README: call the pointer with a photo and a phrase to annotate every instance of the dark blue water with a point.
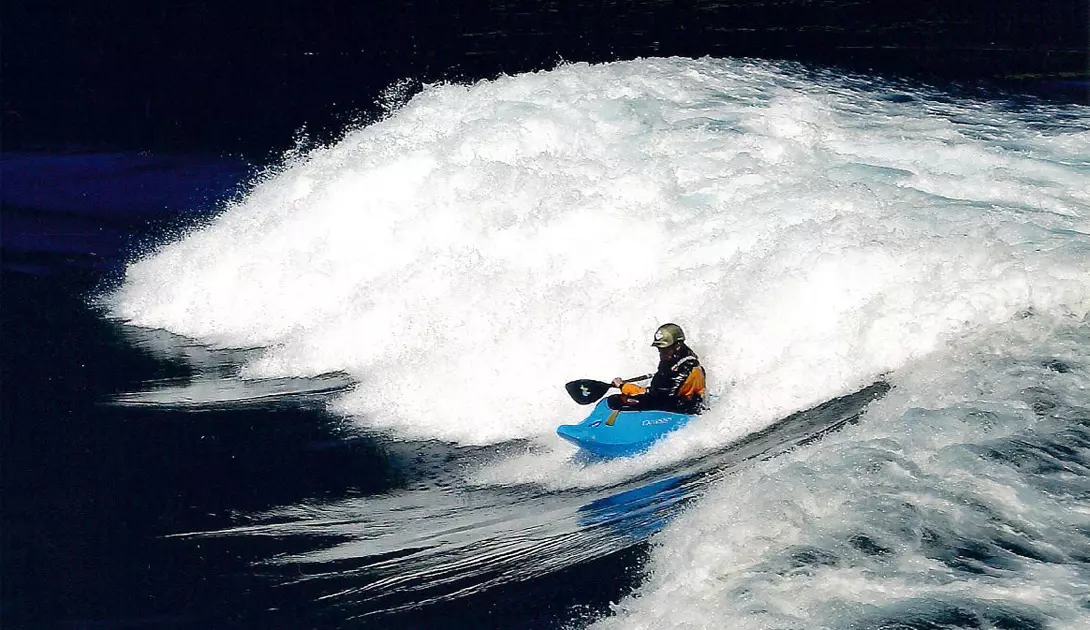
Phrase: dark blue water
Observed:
(125, 125)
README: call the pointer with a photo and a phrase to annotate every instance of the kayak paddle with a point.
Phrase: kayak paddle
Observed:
(585, 391)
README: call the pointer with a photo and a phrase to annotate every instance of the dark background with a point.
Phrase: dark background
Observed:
(244, 77)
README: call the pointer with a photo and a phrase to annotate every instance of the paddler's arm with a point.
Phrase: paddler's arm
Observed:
(628, 389)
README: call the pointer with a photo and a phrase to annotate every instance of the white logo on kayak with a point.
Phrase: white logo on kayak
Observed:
(586, 392)
(649, 423)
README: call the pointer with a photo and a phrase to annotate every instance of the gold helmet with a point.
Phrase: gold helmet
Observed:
(667, 335)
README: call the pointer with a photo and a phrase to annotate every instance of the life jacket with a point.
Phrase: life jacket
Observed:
(678, 385)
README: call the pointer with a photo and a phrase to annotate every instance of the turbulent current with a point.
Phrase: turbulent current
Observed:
(921, 260)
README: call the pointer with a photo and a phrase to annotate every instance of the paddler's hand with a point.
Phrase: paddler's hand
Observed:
(618, 382)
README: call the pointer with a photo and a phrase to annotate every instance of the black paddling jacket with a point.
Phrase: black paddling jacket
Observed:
(678, 385)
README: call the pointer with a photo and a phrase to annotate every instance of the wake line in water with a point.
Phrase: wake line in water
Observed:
(410, 550)
(212, 379)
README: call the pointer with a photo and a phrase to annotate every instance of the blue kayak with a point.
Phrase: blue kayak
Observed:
(610, 433)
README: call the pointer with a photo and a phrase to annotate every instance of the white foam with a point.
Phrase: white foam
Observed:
(958, 480)
(486, 243)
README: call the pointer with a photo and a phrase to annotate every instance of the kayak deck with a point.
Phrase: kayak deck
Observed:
(610, 433)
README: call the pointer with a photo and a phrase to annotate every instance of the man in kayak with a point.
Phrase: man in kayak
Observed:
(677, 386)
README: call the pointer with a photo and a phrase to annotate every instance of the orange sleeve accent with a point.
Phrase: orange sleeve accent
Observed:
(632, 389)
(694, 385)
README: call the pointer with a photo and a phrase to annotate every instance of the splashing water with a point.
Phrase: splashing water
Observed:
(487, 242)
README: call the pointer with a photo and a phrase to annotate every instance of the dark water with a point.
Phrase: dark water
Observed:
(93, 492)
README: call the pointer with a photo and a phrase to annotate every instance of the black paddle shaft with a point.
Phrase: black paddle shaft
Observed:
(585, 391)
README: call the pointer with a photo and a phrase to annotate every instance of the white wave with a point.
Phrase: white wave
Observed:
(486, 243)
(963, 492)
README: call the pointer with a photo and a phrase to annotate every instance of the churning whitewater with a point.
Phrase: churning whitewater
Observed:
(462, 258)
(485, 243)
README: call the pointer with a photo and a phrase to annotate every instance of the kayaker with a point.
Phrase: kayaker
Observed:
(677, 386)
